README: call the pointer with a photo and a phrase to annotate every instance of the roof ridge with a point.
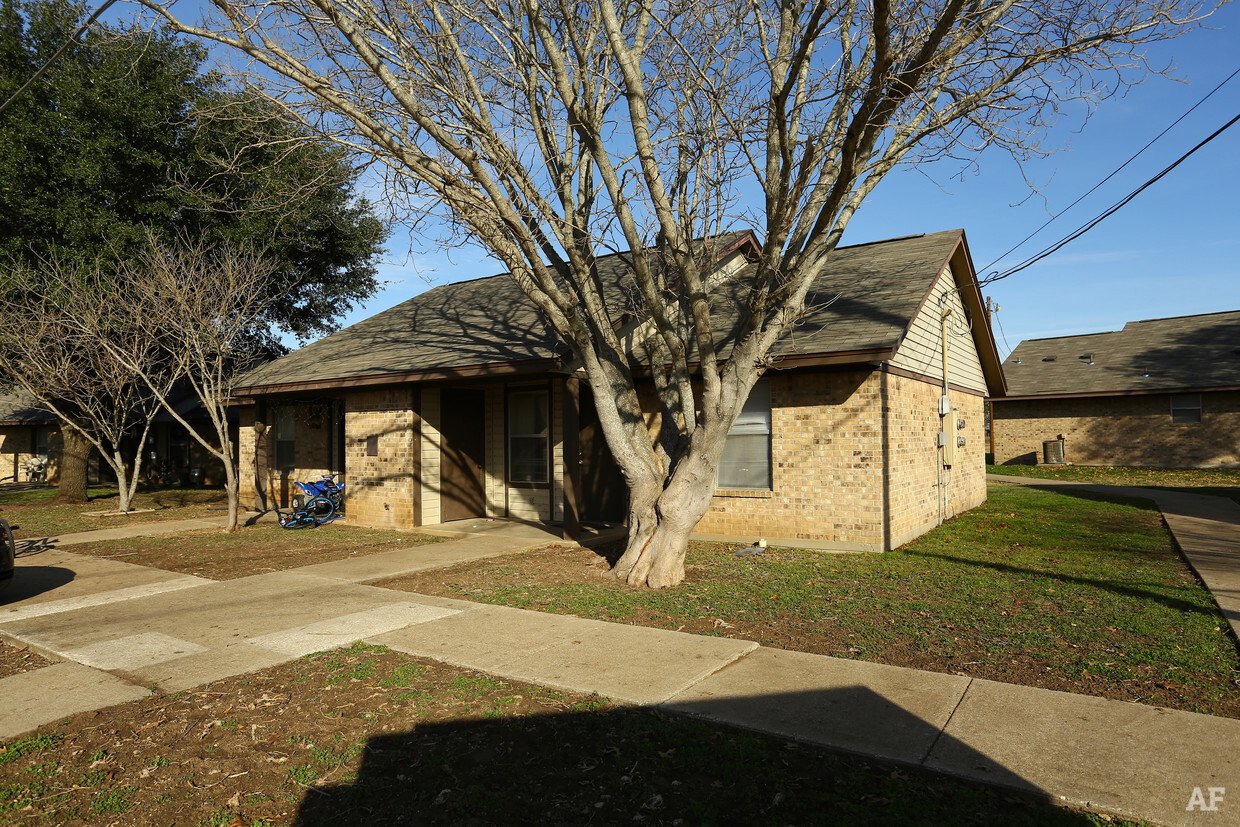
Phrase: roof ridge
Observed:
(1185, 316)
(1068, 336)
(596, 258)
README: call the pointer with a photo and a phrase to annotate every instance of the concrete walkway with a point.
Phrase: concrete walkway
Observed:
(1206, 528)
(1125, 758)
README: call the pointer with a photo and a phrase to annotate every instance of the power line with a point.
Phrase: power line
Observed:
(64, 47)
(1114, 172)
(1089, 225)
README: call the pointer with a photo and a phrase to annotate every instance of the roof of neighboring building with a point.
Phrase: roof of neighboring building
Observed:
(20, 408)
(864, 301)
(1177, 353)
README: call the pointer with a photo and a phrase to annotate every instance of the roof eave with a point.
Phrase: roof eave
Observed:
(1032, 397)
(480, 371)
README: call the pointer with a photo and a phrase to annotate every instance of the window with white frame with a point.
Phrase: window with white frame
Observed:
(746, 461)
(285, 432)
(528, 436)
(1186, 407)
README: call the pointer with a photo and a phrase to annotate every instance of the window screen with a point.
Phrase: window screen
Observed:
(1186, 407)
(746, 461)
(528, 436)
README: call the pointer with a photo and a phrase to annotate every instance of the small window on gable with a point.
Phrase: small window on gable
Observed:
(746, 460)
(372, 445)
(1186, 407)
(286, 447)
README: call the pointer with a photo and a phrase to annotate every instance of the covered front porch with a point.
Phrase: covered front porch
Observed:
(485, 453)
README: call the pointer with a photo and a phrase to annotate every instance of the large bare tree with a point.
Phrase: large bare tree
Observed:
(551, 131)
(201, 304)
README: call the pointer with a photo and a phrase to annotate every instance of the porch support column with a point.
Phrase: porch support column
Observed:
(416, 458)
(572, 457)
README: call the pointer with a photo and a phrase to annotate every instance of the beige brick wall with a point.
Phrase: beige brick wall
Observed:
(826, 446)
(1120, 430)
(313, 428)
(17, 446)
(828, 459)
(381, 488)
(917, 480)
(251, 461)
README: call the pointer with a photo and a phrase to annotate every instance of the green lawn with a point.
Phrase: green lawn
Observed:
(1215, 482)
(1033, 587)
(38, 517)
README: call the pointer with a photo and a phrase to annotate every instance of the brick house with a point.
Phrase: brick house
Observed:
(1161, 393)
(27, 430)
(459, 404)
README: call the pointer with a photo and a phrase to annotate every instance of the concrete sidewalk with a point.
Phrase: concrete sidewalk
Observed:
(1206, 528)
(1133, 760)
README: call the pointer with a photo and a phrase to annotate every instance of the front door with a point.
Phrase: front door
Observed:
(604, 496)
(461, 475)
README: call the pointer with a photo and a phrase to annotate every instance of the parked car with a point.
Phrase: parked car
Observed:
(8, 554)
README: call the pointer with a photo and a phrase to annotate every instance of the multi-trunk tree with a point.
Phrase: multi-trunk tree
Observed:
(550, 132)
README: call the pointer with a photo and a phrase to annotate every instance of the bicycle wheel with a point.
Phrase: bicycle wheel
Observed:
(293, 519)
(320, 510)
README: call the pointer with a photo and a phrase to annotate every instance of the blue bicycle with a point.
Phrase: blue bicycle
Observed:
(319, 502)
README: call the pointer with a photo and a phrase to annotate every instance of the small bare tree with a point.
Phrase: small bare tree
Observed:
(98, 399)
(201, 304)
(552, 132)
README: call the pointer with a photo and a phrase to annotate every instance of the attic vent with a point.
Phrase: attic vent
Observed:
(1087, 358)
(1048, 358)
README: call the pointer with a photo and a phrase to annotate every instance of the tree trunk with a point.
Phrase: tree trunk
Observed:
(232, 490)
(659, 528)
(73, 459)
(125, 492)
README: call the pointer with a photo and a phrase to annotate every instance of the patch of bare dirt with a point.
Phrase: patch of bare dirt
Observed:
(251, 550)
(15, 660)
(367, 736)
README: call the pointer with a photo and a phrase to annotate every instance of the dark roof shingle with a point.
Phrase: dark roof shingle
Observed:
(865, 299)
(1185, 352)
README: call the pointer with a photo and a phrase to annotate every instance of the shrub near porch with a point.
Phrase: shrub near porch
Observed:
(1038, 588)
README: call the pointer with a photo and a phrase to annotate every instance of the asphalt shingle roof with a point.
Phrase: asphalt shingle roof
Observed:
(18, 408)
(1179, 352)
(865, 299)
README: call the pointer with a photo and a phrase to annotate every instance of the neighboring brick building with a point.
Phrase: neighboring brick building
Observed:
(27, 430)
(456, 404)
(1161, 392)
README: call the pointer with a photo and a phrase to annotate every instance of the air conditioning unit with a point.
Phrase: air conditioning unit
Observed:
(1052, 451)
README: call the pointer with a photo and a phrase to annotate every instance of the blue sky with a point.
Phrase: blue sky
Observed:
(1175, 250)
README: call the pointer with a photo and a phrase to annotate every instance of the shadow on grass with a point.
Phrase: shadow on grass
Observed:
(642, 766)
(1105, 585)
